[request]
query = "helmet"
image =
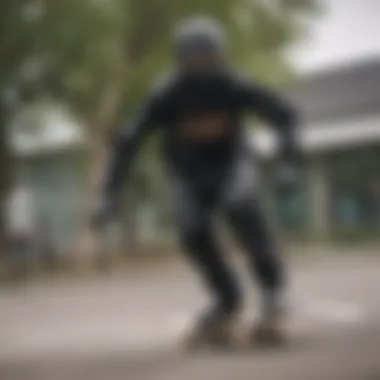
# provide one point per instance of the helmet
(199, 34)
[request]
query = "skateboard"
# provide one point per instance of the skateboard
(239, 336)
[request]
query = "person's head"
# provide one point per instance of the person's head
(199, 44)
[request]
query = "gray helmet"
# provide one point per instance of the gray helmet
(199, 33)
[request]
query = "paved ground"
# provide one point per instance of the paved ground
(127, 328)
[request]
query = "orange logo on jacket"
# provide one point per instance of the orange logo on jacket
(205, 127)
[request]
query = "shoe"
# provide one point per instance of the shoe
(211, 330)
(271, 327)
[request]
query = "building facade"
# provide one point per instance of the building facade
(339, 190)
(49, 149)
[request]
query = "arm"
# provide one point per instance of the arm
(125, 146)
(276, 111)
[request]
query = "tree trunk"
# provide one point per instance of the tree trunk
(98, 128)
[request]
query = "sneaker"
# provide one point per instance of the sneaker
(271, 327)
(211, 330)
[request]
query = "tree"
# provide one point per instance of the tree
(99, 56)
(62, 49)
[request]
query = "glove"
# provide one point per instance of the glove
(104, 212)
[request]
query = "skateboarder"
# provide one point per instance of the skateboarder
(199, 110)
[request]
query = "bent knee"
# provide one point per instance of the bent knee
(194, 237)
(237, 203)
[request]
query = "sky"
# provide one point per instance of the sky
(347, 31)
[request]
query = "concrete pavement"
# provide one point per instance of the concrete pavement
(127, 328)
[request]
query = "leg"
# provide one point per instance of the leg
(194, 221)
(193, 218)
(245, 217)
(249, 225)
(247, 221)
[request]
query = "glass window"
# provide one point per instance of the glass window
(354, 198)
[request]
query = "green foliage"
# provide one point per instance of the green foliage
(68, 48)
(64, 48)
(86, 53)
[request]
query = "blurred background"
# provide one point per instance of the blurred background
(71, 72)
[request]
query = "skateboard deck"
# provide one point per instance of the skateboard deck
(242, 337)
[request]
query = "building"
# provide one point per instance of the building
(48, 146)
(340, 135)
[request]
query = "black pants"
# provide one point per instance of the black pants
(234, 194)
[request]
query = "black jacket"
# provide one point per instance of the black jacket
(201, 122)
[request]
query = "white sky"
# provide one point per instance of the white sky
(347, 31)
